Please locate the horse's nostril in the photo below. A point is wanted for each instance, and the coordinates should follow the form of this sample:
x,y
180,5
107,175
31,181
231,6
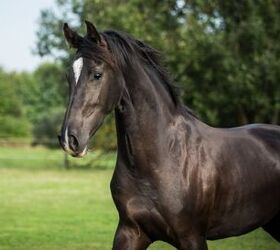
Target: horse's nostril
x,y
73,143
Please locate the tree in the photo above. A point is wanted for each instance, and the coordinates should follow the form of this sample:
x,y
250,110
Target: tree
x,y
45,103
13,122
239,60
49,91
223,55
47,128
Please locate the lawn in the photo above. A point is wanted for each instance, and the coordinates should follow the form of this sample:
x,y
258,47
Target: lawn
x,y
44,207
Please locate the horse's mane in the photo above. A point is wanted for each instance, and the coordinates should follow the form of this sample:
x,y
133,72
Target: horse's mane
x,y
127,49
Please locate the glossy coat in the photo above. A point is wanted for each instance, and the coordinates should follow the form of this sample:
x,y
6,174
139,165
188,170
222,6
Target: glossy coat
x,y
176,178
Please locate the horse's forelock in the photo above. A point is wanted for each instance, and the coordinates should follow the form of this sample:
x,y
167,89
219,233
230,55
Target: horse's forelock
x,y
92,50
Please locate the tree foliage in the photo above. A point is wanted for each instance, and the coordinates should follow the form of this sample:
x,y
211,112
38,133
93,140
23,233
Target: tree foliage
x,y
239,66
13,121
51,88
224,55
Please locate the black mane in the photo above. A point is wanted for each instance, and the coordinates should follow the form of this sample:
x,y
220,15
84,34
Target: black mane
x,y
126,50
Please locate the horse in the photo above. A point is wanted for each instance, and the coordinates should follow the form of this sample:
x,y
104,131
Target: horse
x,y
176,179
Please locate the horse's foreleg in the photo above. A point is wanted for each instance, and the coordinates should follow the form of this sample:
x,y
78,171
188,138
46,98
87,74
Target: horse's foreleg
x,y
130,238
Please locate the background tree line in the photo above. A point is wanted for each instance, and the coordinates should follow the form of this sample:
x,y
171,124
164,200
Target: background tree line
x,y
223,55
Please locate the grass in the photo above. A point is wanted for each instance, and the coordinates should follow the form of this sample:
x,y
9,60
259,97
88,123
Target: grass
x,y
38,158
44,207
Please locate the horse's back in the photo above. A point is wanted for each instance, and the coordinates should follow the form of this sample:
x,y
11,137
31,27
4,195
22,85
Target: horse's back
x,y
248,164
269,135
254,150
266,138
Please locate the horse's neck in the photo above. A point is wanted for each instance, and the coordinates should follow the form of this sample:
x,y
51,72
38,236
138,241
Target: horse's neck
x,y
142,117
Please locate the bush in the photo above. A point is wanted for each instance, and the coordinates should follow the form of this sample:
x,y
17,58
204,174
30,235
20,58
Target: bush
x,y
47,128
106,138
11,126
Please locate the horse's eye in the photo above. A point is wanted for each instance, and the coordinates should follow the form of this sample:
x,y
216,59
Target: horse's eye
x,y
97,76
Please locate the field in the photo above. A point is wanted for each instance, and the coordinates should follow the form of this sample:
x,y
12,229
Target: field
x,y
45,207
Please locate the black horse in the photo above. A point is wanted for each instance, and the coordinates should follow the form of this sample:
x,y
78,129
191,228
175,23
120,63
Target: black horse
x,y
176,179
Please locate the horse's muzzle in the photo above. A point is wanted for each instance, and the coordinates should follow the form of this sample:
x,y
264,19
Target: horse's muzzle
x,y
71,145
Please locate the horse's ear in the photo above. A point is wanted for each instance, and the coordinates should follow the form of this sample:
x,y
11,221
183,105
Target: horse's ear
x,y
71,36
93,34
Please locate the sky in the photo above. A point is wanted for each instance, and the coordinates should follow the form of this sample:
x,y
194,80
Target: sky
x,y
18,26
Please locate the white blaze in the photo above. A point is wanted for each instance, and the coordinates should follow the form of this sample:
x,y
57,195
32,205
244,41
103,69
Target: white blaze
x,y
77,68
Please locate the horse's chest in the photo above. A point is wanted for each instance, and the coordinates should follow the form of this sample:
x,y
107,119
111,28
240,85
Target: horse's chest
x,y
137,203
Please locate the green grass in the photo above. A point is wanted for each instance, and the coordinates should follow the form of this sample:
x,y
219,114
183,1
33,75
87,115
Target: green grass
x,y
44,207
38,158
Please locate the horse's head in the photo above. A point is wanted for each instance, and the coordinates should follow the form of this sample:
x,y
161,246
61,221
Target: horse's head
x,y
95,89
